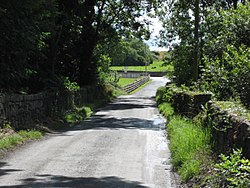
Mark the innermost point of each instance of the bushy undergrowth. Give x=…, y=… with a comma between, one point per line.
x=188, y=140
x=190, y=145
x=228, y=77
x=231, y=171
x=78, y=114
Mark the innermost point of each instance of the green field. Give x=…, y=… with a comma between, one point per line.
x=154, y=67
x=125, y=81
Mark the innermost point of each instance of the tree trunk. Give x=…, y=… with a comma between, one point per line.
x=196, y=38
x=88, y=66
x=235, y=2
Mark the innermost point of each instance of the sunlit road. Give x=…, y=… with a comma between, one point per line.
x=123, y=145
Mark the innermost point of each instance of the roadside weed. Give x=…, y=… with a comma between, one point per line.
x=11, y=140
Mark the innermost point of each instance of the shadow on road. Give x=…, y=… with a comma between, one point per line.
x=48, y=180
x=102, y=122
x=129, y=103
x=6, y=171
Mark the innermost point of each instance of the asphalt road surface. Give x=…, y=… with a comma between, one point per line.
x=122, y=145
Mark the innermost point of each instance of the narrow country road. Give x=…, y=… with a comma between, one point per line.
x=123, y=145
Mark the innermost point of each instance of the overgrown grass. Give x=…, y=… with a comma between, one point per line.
x=9, y=141
x=188, y=143
x=166, y=110
x=156, y=66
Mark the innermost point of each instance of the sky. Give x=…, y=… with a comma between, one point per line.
x=155, y=29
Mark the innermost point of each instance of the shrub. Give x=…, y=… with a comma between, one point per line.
x=233, y=170
x=229, y=76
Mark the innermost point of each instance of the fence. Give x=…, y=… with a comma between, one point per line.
x=136, y=74
x=131, y=87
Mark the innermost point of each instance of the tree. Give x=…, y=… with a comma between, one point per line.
x=131, y=52
x=220, y=34
x=25, y=27
x=44, y=41
x=181, y=33
x=196, y=38
x=100, y=21
x=188, y=24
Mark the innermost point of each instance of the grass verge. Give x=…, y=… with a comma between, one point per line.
x=78, y=114
x=156, y=66
x=189, y=143
x=125, y=81
x=9, y=140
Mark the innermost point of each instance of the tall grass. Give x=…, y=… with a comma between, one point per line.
x=166, y=110
x=188, y=143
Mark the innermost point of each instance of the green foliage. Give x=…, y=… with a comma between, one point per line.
x=125, y=81
x=104, y=74
x=165, y=94
x=25, y=29
x=188, y=142
x=178, y=34
x=223, y=45
x=9, y=141
x=228, y=76
x=43, y=41
x=166, y=110
x=30, y=134
x=183, y=64
x=71, y=86
x=233, y=171
x=131, y=52
x=6, y=125
x=77, y=115
x=226, y=27
x=159, y=94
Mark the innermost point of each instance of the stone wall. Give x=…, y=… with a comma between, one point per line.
x=24, y=110
x=188, y=103
x=229, y=131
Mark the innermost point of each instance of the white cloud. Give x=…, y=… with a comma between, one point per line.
x=155, y=28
